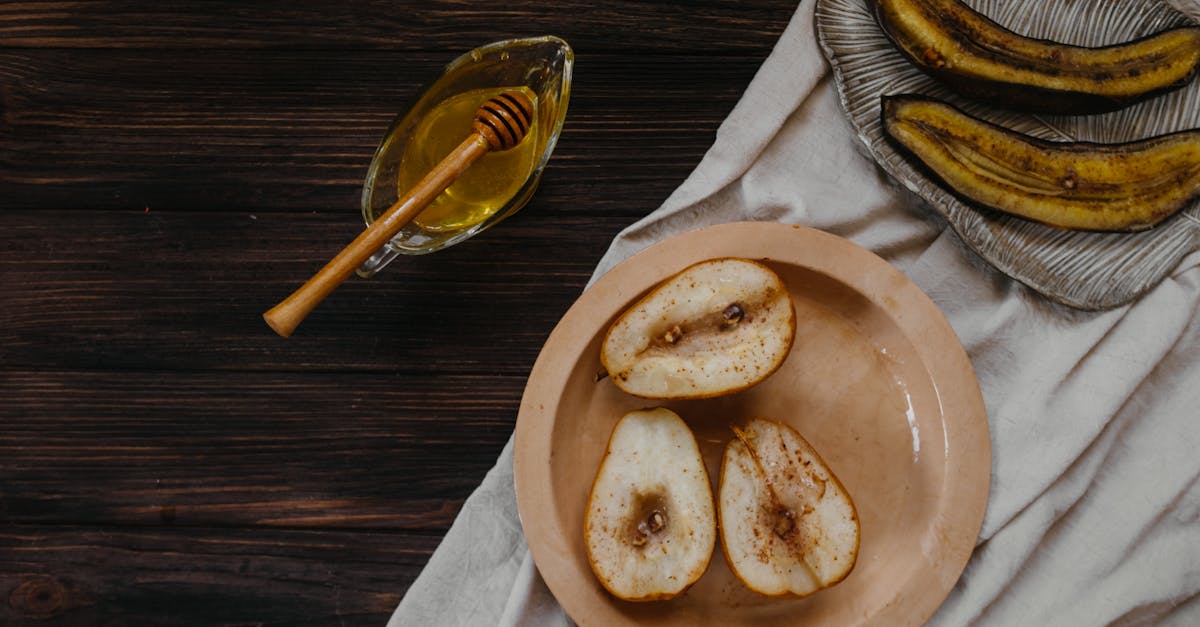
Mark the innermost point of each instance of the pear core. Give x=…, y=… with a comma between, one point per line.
x=788, y=526
x=718, y=327
x=650, y=526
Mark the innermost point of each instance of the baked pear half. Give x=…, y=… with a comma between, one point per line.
x=718, y=327
x=650, y=526
x=788, y=527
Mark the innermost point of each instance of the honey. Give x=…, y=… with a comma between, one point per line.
x=484, y=187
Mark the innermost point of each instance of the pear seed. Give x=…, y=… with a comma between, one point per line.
x=653, y=524
x=732, y=315
x=785, y=522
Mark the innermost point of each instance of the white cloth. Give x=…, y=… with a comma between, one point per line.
x=1094, y=511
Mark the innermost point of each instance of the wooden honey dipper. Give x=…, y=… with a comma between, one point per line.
x=500, y=123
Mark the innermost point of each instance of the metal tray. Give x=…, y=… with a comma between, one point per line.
x=1085, y=270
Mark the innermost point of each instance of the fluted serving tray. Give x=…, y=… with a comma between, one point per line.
x=1085, y=270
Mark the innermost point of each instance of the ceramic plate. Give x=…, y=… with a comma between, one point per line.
x=1084, y=270
x=877, y=382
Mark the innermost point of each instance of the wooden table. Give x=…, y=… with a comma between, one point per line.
x=170, y=170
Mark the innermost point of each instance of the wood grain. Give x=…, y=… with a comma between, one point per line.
x=79, y=575
x=330, y=450
x=186, y=291
x=295, y=131
x=636, y=26
x=170, y=170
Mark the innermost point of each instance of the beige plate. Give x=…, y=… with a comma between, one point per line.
x=877, y=381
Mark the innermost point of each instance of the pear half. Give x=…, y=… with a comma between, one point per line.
x=718, y=327
x=650, y=526
x=788, y=527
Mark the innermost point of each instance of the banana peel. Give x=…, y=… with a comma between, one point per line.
x=1073, y=185
x=979, y=59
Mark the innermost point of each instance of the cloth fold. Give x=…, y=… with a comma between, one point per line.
x=1094, y=511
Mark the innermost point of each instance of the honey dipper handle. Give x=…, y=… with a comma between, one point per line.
x=288, y=314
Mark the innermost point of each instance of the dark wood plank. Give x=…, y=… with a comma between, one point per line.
x=99, y=576
x=170, y=170
x=267, y=450
x=295, y=130
x=186, y=291
x=631, y=25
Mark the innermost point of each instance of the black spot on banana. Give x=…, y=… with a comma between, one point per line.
x=980, y=59
x=1072, y=185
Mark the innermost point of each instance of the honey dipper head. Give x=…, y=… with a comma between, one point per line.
x=504, y=119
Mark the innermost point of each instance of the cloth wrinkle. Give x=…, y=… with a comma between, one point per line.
x=1093, y=513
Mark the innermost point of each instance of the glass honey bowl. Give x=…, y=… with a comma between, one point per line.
x=499, y=183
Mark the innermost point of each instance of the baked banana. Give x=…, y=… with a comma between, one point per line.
x=1073, y=185
x=980, y=59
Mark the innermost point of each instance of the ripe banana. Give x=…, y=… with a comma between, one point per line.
x=980, y=59
x=1073, y=185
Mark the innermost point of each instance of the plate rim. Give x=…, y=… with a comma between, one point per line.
x=967, y=478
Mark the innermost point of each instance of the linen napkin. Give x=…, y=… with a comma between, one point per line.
x=1094, y=511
